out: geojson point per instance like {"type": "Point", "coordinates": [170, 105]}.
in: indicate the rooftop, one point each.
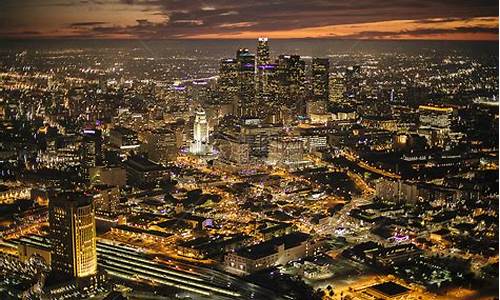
{"type": "Point", "coordinates": [389, 289]}
{"type": "Point", "coordinates": [143, 164]}
{"type": "Point", "coordinates": [269, 247]}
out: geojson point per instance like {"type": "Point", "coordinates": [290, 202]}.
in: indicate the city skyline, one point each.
{"type": "Point", "coordinates": [148, 19]}
{"type": "Point", "coordinates": [249, 150]}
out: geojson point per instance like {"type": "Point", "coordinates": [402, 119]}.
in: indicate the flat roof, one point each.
{"type": "Point", "coordinates": [390, 289]}
{"type": "Point", "coordinates": [123, 130]}
{"type": "Point", "coordinates": [143, 231]}
{"type": "Point", "coordinates": [143, 164]}
{"type": "Point", "coordinates": [269, 247]}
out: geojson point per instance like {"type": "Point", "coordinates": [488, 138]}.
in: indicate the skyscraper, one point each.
{"type": "Point", "coordinates": [199, 145]}
{"type": "Point", "coordinates": [337, 88]}
{"type": "Point", "coordinates": [73, 234]}
{"type": "Point", "coordinates": [91, 147]}
{"type": "Point", "coordinates": [291, 80]}
{"type": "Point", "coordinates": [320, 78]}
{"type": "Point", "coordinates": [228, 80]}
{"type": "Point", "coordinates": [262, 53]}
{"type": "Point", "coordinates": [264, 74]}
{"type": "Point", "coordinates": [246, 80]}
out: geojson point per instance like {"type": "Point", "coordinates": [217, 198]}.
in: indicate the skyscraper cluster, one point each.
{"type": "Point", "coordinates": [261, 87]}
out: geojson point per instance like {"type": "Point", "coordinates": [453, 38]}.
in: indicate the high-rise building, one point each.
{"type": "Point", "coordinates": [337, 89]}
{"type": "Point", "coordinates": [199, 145]}
{"type": "Point", "coordinates": [161, 145]}
{"type": "Point", "coordinates": [228, 80]}
{"type": "Point", "coordinates": [320, 78]}
{"type": "Point", "coordinates": [438, 118]}
{"type": "Point", "coordinates": [73, 234]}
{"type": "Point", "coordinates": [91, 147]}
{"type": "Point", "coordinates": [436, 123]}
{"type": "Point", "coordinates": [262, 62]}
{"type": "Point", "coordinates": [246, 83]}
{"type": "Point", "coordinates": [291, 80]}
{"type": "Point", "coordinates": [262, 53]}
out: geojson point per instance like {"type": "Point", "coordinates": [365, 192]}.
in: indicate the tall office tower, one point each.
{"type": "Point", "coordinates": [161, 145]}
{"type": "Point", "coordinates": [264, 78]}
{"type": "Point", "coordinates": [337, 88]}
{"type": "Point", "coordinates": [91, 147]}
{"type": "Point", "coordinates": [291, 80]}
{"type": "Point", "coordinates": [246, 79]}
{"type": "Point", "coordinates": [199, 145]}
{"type": "Point", "coordinates": [267, 89]}
{"type": "Point", "coordinates": [228, 80]}
{"type": "Point", "coordinates": [73, 234]}
{"type": "Point", "coordinates": [262, 53]}
{"type": "Point", "coordinates": [320, 78]}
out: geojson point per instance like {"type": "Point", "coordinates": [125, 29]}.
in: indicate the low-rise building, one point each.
{"type": "Point", "coordinates": [270, 253]}
{"type": "Point", "coordinates": [142, 170]}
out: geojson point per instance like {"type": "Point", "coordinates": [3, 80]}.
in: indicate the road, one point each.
{"type": "Point", "coordinates": [350, 156]}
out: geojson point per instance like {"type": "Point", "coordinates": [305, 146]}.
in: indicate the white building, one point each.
{"type": "Point", "coordinates": [276, 251]}
{"type": "Point", "coordinates": [199, 145]}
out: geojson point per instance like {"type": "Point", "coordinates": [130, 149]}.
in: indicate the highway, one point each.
{"type": "Point", "coordinates": [352, 157]}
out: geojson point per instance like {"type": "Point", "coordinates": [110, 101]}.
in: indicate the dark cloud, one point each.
{"type": "Point", "coordinates": [185, 18]}
{"type": "Point", "coordinates": [422, 32]}
{"type": "Point", "coordinates": [193, 17]}
{"type": "Point", "coordinates": [86, 24]}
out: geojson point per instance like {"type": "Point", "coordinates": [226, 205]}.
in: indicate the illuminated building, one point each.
{"type": "Point", "coordinates": [124, 138]}
{"type": "Point", "coordinates": [337, 88]}
{"type": "Point", "coordinates": [270, 253]}
{"type": "Point", "coordinates": [112, 176]}
{"type": "Point", "coordinates": [228, 80]}
{"type": "Point", "coordinates": [258, 137]}
{"type": "Point", "coordinates": [232, 150]}
{"type": "Point", "coordinates": [246, 83]}
{"type": "Point", "coordinates": [439, 118]}
{"type": "Point", "coordinates": [436, 123]}
{"type": "Point", "coordinates": [141, 170]}
{"type": "Point", "coordinates": [73, 234]}
{"type": "Point", "coordinates": [266, 81]}
{"type": "Point", "coordinates": [91, 147]}
{"type": "Point", "coordinates": [264, 70]}
{"type": "Point", "coordinates": [199, 145]}
{"type": "Point", "coordinates": [262, 57]}
{"type": "Point", "coordinates": [287, 152]}
{"type": "Point", "coordinates": [106, 198]}
{"type": "Point", "coordinates": [320, 79]}
{"type": "Point", "coordinates": [291, 80]}
{"type": "Point", "coordinates": [316, 107]}
{"type": "Point", "coordinates": [161, 145]}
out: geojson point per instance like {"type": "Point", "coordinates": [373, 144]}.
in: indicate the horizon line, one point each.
{"type": "Point", "coordinates": [73, 38]}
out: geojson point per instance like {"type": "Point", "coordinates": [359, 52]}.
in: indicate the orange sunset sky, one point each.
{"type": "Point", "coordinates": [225, 19]}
